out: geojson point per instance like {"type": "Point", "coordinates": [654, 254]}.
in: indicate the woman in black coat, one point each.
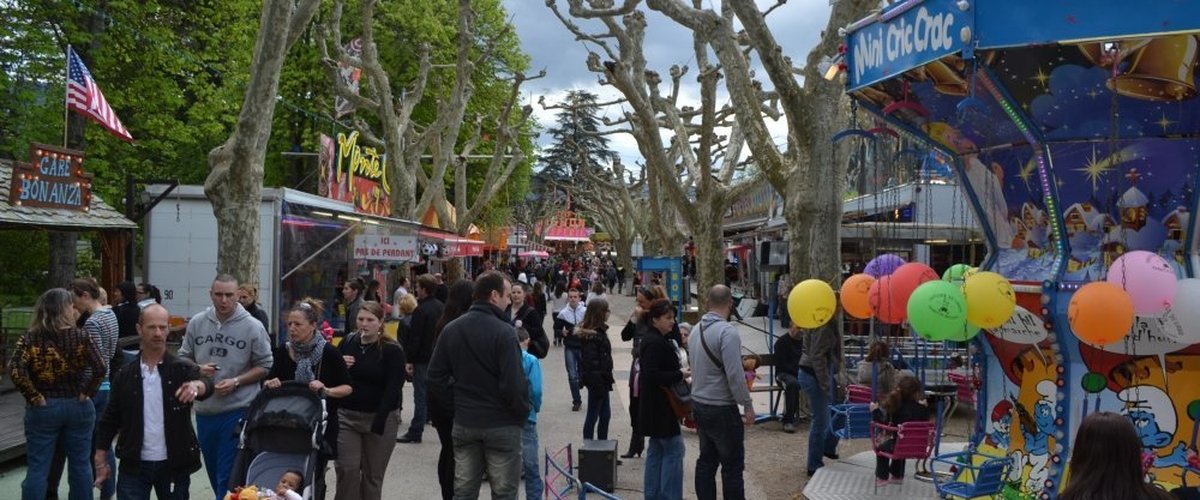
{"type": "Point", "coordinates": [633, 331]}
{"type": "Point", "coordinates": [527, 316]}
{"type": "Point", "coordinates": [660, 368]}
{"type": "Point", "coordinates": [596, 368]}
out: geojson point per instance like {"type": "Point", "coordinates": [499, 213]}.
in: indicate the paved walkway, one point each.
{"type": "Point", "coordinates": [412, 472]}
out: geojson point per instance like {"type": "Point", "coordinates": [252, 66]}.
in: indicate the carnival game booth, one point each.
{"type": "Point", "coordinates": [1073, 126]}
{"type": "Point", "coordinates": [310, 246]}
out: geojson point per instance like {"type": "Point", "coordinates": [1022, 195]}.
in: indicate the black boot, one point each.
{"type": "Point", "coordinates": [636, 445]}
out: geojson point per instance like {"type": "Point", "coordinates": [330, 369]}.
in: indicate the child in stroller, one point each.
{"type": "Point", "coordinates": [291, 481]}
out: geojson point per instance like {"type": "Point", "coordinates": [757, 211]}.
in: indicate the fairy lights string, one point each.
{"type": "Point", "coordinates": [1044, 164]}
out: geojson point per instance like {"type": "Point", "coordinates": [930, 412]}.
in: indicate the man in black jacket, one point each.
{"type": "Point", "coordinates": [150, 409]}
{"type": "Point", "coordinates": [788, 349]}
{"type": "Point", "coordinates": [480, 353]}
{"type": "Point", "coordinates": [418, 347]}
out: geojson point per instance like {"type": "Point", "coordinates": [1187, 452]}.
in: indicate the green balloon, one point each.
{"type": "Point", "coordinates": [968, 332]}
{"type": "Point", "coordinates": [937, 310]}
{"type": "Point", "coordinates": [1093, 382]}
{"type": "Point", "coordinates": [1193, 410]}
{"type": "Point", "coordinates": [955, 274]}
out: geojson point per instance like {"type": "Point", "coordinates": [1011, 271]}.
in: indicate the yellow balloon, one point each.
{"type": "Point", "coordinates": [811, 303]}
{"type": "Point", "coordinates": [991, 299]}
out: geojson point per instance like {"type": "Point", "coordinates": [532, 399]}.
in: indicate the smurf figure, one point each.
{"type": "Point", "coordinates": [1153, 415]}
{"type": "Point", "coordinates": [1001, 424]}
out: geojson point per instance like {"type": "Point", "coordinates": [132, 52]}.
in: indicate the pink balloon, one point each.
{"type": "Point", "coordinates": [1147, 278]}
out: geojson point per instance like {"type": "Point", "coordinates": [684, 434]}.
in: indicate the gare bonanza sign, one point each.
{"type": "Point", "coordinates": [915, 37]}
{"type": "Point", "coordinates": [54, 178]}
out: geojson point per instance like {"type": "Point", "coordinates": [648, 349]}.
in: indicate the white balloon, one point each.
{"type": "Point", "coordinates": [1186, 310]}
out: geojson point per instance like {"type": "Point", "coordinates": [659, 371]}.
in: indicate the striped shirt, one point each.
{"type": "Point", "coordinates": [56, 365]}
{"type": "Point", "coordinates": [103, 328]}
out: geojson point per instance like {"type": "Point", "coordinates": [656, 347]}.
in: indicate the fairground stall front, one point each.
{"type": "Point", "coordinates": [1073, 127]}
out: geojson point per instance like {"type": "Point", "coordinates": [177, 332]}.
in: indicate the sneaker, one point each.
{"type": "Point", "coordinates": [789, 428]}
{"type": "Point", "coordinates": [576, 406]}
{"type": "Point", "coordinates": [881, 482]}
{"type": "Point", "coordinates": [408, 439]}
{"type": "Point", "coordinates": [896, 480]}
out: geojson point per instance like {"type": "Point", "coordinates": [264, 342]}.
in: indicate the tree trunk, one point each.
{"type": "Point", "coordinates": [234, 184]}
{"type": "Point", "coordinates": [455, 270]}
{"type": "Point", "coordinates": [63, 257]}
{"type": "Point", "coordinates": [710, 264]}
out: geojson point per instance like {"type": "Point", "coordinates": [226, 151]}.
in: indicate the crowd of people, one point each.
{"type": "Point", "coordinates": [472, 350]}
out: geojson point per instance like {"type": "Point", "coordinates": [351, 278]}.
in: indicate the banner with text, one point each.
{"type": "Point", "coordinates": [905, 39]}
{"type": "Point", "coordinates": [390, 248]}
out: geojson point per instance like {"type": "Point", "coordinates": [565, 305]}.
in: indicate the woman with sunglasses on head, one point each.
{"type": "Point", "coordinates": [58, 368]}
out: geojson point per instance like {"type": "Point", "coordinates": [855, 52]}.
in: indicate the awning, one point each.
{"type": "Point", "coordinates": [99, 216]}
{"type": "Point", "coordinates": [884, 201]}
{"type": "Point", "coordinates": [534, 253]}
{"type": "Point", "coordinates": [561, 233]}
{"type": "Point", "coordinates": [455, 246]}
{"type": "Point", "coordinates": [738, 248]}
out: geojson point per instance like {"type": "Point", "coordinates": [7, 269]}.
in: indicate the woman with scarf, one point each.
{"type": "Point", "coordinates": [308, 358]}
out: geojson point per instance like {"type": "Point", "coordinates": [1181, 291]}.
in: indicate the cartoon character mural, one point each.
{"type": "Point", "coordinates": [1024, 401]}
{"type": "Point", "coordinates": [1153, 415]}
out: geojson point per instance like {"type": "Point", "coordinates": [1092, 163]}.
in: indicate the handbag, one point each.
{"type": "Point", "coordinates": [679, 395]}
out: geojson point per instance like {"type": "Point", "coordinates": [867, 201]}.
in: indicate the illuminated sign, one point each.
{"type": "Point", "coordinates": [54, 178]}
{"type": "Point", "coordinates": [355, 174]}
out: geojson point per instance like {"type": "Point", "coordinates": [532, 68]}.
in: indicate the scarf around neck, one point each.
{"type": "Point", "coordinates": [308, 357]}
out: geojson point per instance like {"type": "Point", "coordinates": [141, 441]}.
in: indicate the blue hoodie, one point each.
{"type": "Point", "coordinates": [533, 372]}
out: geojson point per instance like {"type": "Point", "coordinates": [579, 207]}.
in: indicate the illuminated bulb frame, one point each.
{"type": "Point", "coordinates": [1049, 195]}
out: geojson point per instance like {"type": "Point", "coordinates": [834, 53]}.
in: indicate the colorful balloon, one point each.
{"type": "Point", "coordinates": [1100, 313]}
{"type": "Point", "coordinates": [1147, 278]}
{"type": "Point", "coordinates": [956, 274]}
{"type": "Point", "coordinates": [937, 310]}
{"type": "Point", "coordinates": [856, 295]}
{"type": "Point", "coordinates": [884, 265]}
{"type": "Point", "coordinates": [1186, 310]}
{"type": "Point", "coordinates": [991, 299]}
{"type": "Point", "coordinates": [882, 304]}
{"type": "Point", "coordinates": [811, 303]}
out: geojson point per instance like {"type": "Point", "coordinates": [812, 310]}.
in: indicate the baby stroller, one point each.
{"type": "Point", "coordinates": [284, 429]}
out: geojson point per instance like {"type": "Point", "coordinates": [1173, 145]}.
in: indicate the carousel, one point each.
{"type": "Point", "coordinates": [1073, 129]}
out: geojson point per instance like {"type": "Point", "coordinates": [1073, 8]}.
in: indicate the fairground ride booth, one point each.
{"type": "Point", "coordinates": [1087, 113]}
{"type": "Point", "coordinates": [310, 246]}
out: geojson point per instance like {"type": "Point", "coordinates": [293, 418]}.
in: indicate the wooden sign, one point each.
{"type": "Point", "coordinates": [53, 178]}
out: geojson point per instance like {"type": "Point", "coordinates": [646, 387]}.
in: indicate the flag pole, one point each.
{"type": "Point", "coordinates": [66, 89]}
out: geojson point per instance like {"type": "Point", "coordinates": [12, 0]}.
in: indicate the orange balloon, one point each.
{"type": "Point", "coordinates": [1100, 313]}
{"type": "Point", "coordinates": [856, 295]}
{"type": "Point", "coordinates": [881, 296]}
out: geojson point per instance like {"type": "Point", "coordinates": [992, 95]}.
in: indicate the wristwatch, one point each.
{"type": "Point", "coordinates": [236, 383]}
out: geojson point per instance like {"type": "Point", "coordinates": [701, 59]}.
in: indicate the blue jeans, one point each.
{"type": "Point", "coordinates": [218, 444]}
{"type": "Point", "coordinates": [598, 408]}
{"type": "Point", "coordinates": [498, 450]}
{"type": "Point", "coordinates": [100, 402]}
{"type": "Point", "coordinates": [721, 431]}
{"type": "Point", "coordinates": [152, 475]}
{"type": "Point", "coordinates": [420, 384]}
{"type": "Point", "coordinates": [821, 440]}
{"type": "Point", "coordinates": [530, 456]}
{"type": "Point", "coordinates": [571, 356]}
{"type": "Point", "coordinates": [663, 479]}
{"type": "Point", "coordinates": [66, 420]}
{"type": "Point", "coordinates": [791, 397]}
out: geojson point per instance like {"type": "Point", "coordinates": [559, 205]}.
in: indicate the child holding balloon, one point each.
{"type": "Point", "coordinates": [906, 403]}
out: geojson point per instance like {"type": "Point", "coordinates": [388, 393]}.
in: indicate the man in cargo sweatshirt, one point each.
{"type": "Point", "coordinates": [718, 388]}
{"type": "Point", "coordinates": [233, 350]}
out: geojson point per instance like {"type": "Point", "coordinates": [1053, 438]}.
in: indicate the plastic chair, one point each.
{"type": "Point", "coordinates": [858, 393]}
{"type": "Point", "coordinates": [966, 389]}
{"type": "Point", "coordinates": [912, 440]}
{"type": "Point", "coordinates": [967, 479]}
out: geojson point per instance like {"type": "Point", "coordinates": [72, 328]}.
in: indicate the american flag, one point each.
{"type": "Point", "coordinates": [85, 97]}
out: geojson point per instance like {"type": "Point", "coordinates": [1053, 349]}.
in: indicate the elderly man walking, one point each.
{"type": "Point", "coordinates": [150, 413]}
{"type": "Point", "coordinates": [718, 388]}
